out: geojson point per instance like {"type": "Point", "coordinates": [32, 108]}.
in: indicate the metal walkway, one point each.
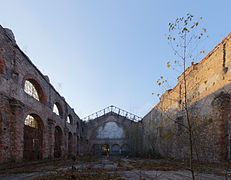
{"type": "Point", "coordinates": [113, 109]}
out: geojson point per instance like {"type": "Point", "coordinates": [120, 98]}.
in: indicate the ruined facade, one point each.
{"type": "Point", "coordinates": [107, 130]}
{"type": "Point", "coordinates": [35, 121]}
{"type": "Point", "coordinates": [209, 103]}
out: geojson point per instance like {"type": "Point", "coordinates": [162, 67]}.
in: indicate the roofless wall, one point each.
{"type": "Point", "coordinates": [208, 92]}
{"type": "Point", "coordinates": [35, 120]}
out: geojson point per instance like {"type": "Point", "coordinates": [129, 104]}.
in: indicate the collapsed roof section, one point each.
{"type": "Point", "coordinates": [113, 109]}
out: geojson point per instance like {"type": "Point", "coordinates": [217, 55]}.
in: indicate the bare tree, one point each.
{"type": "Point", "coordinates": [184, 36]}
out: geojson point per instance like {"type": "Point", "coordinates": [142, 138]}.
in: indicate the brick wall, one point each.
{"type": "Point", "coordinates": [208, 92]}
{"type": "Point", "coordinates": [15, 105]}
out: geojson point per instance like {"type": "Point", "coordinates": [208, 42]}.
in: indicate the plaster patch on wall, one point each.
{"type": "Point", "coordinates": [110, 130]}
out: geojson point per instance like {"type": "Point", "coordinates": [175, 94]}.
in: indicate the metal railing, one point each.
{"type": "Point", "coordinates": [113, 109]}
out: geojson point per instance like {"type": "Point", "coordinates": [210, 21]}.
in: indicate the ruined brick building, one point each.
{"type": "Point", "coordinates": [209, 102]}
{"type": "Point", "coordinates": [106, 130]}
{"type": "Point", "coordinates": [37, 123]}
{"type": "Point", "coordinates": [35, 120]}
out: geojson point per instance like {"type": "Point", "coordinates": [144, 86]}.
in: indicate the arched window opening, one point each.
{"type": "Point", "coordinates": [56, 110]}
{"type": "Point", "coordinates": [115, 149]}
{"type": "Point", "coordinates": [31, 122]}
{"type": "Point", "coordinates": [30, 89]}
{"type": "Point", "coordinates": [33, 137]}
{"type": "Point", "coordinates": [69, 119]}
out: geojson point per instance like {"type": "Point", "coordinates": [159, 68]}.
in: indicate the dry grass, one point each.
{"type": "Point", "coordinates": [41, 166]}
{"type": "Point", "coordinates": [88, 174]}
{"type": "Point", "coordinates": [220, 169]}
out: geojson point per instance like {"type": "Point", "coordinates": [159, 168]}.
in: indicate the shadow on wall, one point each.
{"type": "Point", "coordinates": [210, 118]}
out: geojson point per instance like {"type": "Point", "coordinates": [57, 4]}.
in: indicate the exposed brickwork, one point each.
{"type": "Point", "coordinates": [16, 105]}
{"type": "Point", "coordinates": [208, 92]}
{"type": "Point", "coordinates": [209, 96]}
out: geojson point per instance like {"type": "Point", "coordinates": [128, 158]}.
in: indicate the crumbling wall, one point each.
{"type": "Point", "coordinates": [109, 129]}
{"type": "Point", "coordinates": [208, 98]}
{"type": "Point", "coordinates": [16, 105]}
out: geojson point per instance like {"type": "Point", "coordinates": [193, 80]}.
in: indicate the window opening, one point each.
{"type": "Point", "coordinates": [30, 89]}
{"type": "Point", "coordinates": [56, 110]}
{"type": "Point", "coordinates": [68, 120]}
{"type": "Point", "coordinates": [31, 121]}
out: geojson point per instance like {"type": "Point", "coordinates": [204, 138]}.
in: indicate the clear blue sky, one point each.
{"type": "Point", "coordinates": [103, 52]}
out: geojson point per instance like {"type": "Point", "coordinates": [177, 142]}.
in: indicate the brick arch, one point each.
{"type": "Point", "coordinates": [38, 87]}
{"type": "Point", "coordinates": [114, 145]}
{"type": "Point", "coordinates": [222, 104]}
{"type": "Point", "coordinates": [70, 144]}
{"type": "Point", "coordinates": [112, 151]}
{"type": "Point", "coordinates": [33, 138]}
{"type": "Point", "coordinates": [30, 111]}
{"type": "Point", "coordinates": [60, 108]}
{"type": "Point", "coordinates": [101, 124]}
{"type": "Point", "coordinates": [58, 137]}
{"type": "Point", "coordinates": [222, 99]}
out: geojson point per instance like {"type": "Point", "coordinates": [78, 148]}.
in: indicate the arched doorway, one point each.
{"type": "Point", "coordinates": [58, 142]}
{"type": "Point", "coordinates": [33, 137]}
{"type": "Point", "coordinates": [70, 140]}
{"type": "Point", "coordinates": [115, 149]}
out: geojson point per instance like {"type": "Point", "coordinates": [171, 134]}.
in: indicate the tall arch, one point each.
{"type": "Point", "coordinates": [58, 142]}
{"type": "Point", "coordinates": [33, 137]}
{"type": "Point", "coordinates": [33, 88]}
{"type": "Point", "coordinates": [221, 104]}
{"type": "Point", "coordinates": [70, 144]}
{"type": "Point", "coordinates": [115, 149]}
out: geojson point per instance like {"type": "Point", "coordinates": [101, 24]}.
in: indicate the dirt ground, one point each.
{"type": "Point", "coordinates": [112, 168]}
